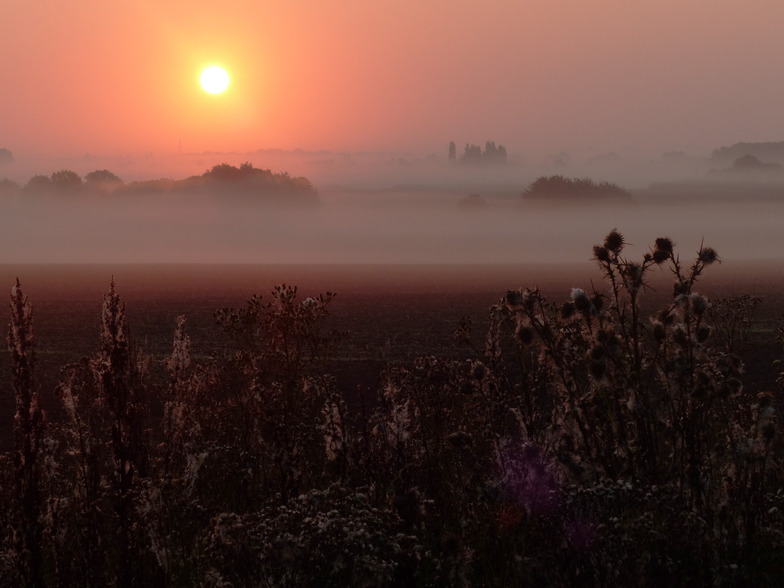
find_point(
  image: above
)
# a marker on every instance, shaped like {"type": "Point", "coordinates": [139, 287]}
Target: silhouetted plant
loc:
{"type": "Point", "coordinates": [29, 430]}
{"type": "Point", "coordinates": [105, 405]}
{"type": "Point", "coordinates": [276, 386]}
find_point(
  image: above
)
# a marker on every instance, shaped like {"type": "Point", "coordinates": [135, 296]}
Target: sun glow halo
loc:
{"type": "Point", "coordinates": [214, 79]}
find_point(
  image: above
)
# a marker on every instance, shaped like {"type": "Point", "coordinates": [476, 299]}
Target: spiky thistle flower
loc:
{"type": "Point", "coordinates": [662, 250]}
{"type": "Point", "coordinates": [614, 241]}
{"type": "Point", "coordinates": [707, 255]}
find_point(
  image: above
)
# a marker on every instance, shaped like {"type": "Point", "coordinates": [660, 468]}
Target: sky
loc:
{"type": "Point", "coordinates": [120, 78]}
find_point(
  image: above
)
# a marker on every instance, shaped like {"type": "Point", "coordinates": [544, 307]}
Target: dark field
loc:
{"type": "Point", "coordinates": [390, 313]}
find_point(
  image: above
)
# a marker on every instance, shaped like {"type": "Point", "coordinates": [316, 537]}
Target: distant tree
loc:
{"type": "Point", "coordinates": [765, 151]}
{"type": "Point", "coordinates": [250, 180]}
{"type": "Point", "coordinates": [452, 152]}
{"type": "Point", "coordinates": [66, 180]}
{"type": "Point", "coordinates": [749, 162]}
{"type": "Point", "coordinates": [493, 154]}
{"type": "Point", "coordinates": [750, 166]}
{"type": "Point", "coordinates": [558, 187]}
{"type": "Point", "coordinates": [471, 154]}
{"type": "Point", "coordinates": [38, 184]}
{"type": "Point", "coordinates": [6, 156]}
{"type": "Point", "coordinates": [102, 180]}
{"type": "Point", "coordinates": [225, 172]}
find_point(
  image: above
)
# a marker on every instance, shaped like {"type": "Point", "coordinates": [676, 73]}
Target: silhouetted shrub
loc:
{"type": "Point", "coordinates": [102, 181]}
{"type": "Point", "coordinates": [66, 180]}
{"type": "Point", "coordinates": [38, 184]}
{"type": "Point", "coordinates": [555, 188]}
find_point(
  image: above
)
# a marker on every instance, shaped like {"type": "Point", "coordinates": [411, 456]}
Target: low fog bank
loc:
{"type": "Point", "coordinates": [389, 208]}
{"type": "Point", "coordinates": [378, 226]}
{"type": "Point", "coordinates": [632, 167]}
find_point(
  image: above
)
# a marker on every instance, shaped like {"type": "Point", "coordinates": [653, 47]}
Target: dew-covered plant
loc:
{"type": "Point", "coordinates": [105, 458]}
{"type": "Point", "coordinates": [276, 388]}
{"type": "Point", "coordinates": [29, 437]}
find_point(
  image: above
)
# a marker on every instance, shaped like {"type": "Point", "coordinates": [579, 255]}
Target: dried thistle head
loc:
{"type": "Point", "coordinates": [664, 244]}
{"type": "Point", "coordinates": [698, 304]}
{"type": "Point", "coordinates": [707, 255]}
{"type": "Point", "coordinates": [600, 253]}
{"type": "Point", "coordinates": [614, 241]}
{"type": "Point", "coordinates": [581, 300]}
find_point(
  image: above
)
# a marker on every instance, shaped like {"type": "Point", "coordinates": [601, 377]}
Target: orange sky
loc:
{"type": "Point", "coordinates": [121, 77]}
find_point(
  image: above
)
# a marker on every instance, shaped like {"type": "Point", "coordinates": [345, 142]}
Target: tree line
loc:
{"type": "Point", "coordinates": [245, 179]}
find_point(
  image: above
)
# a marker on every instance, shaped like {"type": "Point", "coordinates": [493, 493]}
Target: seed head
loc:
{"type": "Point", "coordinates": [581, 301]}
{"type": "Point", "coordinates": [664, 244]}
{"type": "Point", "coordinates": [698, 304]}
{"type": "Point", "coordinates": [707, 255]}
{"type": "Point", "coordinates": [659, 332]}
{"type": "Point", "coordinates": [660, 256]}
{"type": "Point", "coordinates": [614, 241]}
{"type": "Point", "coordinates": [601, 253]}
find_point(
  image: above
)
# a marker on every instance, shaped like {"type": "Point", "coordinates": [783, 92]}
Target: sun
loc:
{"type": "Point", "coordinates": [214, 79]}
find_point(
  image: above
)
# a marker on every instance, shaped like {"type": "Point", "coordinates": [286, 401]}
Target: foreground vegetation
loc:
{"type": "Point", "coordinates": [584, 443]}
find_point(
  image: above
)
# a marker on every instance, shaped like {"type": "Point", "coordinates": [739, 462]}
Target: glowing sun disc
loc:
{"type": "Point", "coordinates": [214, 79]}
